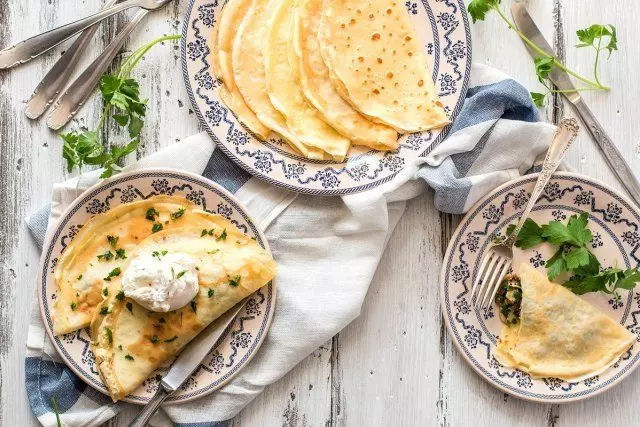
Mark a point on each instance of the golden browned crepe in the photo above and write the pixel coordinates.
(559, 334)
(130, 342)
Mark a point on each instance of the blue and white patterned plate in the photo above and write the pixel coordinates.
(239, 342)
(614, 222)
(444, 30)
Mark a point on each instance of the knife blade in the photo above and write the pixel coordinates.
(187, 362)
(525, 24)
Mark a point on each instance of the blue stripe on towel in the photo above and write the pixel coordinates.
(46, 379)
(222, 170)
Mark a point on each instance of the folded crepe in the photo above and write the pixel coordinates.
(130, 342)
(559, 334)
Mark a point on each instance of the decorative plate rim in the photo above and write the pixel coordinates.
(118, 179)
(446, 310)
(300, 188)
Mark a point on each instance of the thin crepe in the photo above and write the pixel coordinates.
(319, 90)
(559, 334)
(377, 64)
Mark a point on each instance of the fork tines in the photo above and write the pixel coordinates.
(491, 272)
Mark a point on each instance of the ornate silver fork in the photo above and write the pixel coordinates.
(499, 256)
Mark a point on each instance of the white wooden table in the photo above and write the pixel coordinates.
(395, 364)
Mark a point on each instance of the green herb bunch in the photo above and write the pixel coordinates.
(121, 95)
(573, 256)
(599, 37)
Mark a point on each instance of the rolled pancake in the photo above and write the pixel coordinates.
(377, 64)
(559, 334)
(221, 47)
(81, 269)
(248, 63)
(130, 342)
(319, 90)
(285, 93)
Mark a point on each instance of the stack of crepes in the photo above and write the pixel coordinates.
(324, 75)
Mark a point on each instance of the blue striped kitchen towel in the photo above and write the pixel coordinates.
(496, 137)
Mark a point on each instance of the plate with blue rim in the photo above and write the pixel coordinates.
(614, 221)
(444, 30)
(236, 346)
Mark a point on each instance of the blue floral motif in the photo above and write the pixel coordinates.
(524, 380)
(190, 384)
(73, 230)
(161, 186)
(217, 362)
(215, 113)
(328, 179)
(241, 339)
(196, 49)
(393, 163)
(196, 197)
(472, 242)
(447, 20)
(615, 303)
(225, 210)
(462, 306)
(128, 195)
(237, 137)
(492, 214)
(552, 191)
(253, 307)
(596, 242)
(487, 313)
(294, 170)
(584, 198)
(460, 272)
(447, 84)
(96, 206)
(613, 212)
(412, 7)
(414, 142)
(262, 162)
(559, 215)
(631, 237)
(591, 381)
(472, 337)
(430, 48)
(205, 80)
(553, 383)
(69, 338)
(536, 260)
(360, 171)
(520, 199)
(206, 14)
(456, 52)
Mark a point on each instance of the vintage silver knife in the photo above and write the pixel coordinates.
(187, 362)
(561, 79)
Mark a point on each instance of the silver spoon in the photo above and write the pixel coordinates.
(34, 46)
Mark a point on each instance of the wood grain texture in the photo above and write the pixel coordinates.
(395, 364)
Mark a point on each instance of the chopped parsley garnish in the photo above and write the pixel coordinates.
(222, 236)
(120, 296)
(235, 281)
(113, 273)
(79, 277)
(173, 273)
(509, 298)
(105, 292)
(128, 356)
(113, 240)
(205, 232)
(105, 256)
(151, 215)
(172, 339)
(177, 214)
(181, 274)
(154, 339)
(215, 251)
(109, 335)
(193, 305)
(210, 293)
(120, 347)
(156, 227)
(130, 307)
(157, 254)
(197, 268)
(104, 311)
(121, 254)
(73, 306)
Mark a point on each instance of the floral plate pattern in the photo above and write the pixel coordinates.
(614, 222)
(444, 30)
(239, 342)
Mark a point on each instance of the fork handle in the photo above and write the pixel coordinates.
(563, 138)
(30, 48)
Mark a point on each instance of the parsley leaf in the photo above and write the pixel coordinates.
(538, 98)
(177, 214)
(222, 236)
(157, 226)
(589, 35)
(543, 65)
(128, 356)
(105, 256)
(120, 296)
(113, 273)
(210, 293)
(478, 8)
(235, 281)
(151, 214)
(556, 264)
(113, 240)
(530, 234)
(109, 335)
(121, 254)
(181, 274)
(173, 338)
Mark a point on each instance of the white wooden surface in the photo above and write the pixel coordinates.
(395, 364)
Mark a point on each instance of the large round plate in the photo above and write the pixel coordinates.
(239, 342)
(614, 221)
(444, 30)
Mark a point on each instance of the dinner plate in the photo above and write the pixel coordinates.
(614, 222)
(240, 341)
(444, 31)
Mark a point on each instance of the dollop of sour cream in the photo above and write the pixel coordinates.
(161, 282)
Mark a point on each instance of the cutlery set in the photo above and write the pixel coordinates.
(51, 86)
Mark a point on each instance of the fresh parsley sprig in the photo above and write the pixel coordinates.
(600, 37)
(573, 256)
(121, 96)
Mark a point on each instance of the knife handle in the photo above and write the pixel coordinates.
(611, 154)
(150, 408)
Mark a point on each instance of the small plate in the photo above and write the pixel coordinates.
(614, 222)
(239, 342)
(443, 27)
